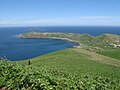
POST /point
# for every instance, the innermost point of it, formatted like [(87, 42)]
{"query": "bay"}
[(14, 48)]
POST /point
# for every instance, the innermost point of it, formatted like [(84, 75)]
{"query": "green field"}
[(70, 69), (111, 53)]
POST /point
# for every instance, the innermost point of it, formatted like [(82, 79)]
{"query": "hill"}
[(75, 69), (106, 40)]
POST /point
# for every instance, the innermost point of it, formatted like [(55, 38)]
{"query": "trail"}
[(99, 58)]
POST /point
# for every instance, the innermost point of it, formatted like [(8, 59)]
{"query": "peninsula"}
[(86, 40)]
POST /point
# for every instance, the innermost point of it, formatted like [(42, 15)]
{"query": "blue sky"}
[(59, 12)]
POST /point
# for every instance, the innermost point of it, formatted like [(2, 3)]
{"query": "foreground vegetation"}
[(70, 69)]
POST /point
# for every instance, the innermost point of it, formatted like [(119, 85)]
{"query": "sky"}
[(59, 13)]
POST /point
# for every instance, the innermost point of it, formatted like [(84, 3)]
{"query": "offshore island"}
[(92, 65)]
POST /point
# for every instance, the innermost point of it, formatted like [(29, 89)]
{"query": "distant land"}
[(103, 41)]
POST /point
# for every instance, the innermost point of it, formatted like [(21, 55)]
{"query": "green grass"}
[(111, 53), (61, 70), (74, 62)]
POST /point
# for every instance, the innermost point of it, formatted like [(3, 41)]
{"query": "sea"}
[(14, 48)]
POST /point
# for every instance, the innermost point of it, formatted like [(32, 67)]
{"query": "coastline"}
[(57, 38), (64, 39), (101, 41)]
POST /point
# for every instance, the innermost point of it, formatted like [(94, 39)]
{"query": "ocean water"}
[(14, 48)]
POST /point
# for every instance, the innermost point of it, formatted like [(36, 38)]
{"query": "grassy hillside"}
[(70, 69), (111, 53), (105, 40)]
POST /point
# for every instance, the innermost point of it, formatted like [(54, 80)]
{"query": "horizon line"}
[(66, 26)]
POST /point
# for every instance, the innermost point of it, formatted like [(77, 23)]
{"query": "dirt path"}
[(100, 58)]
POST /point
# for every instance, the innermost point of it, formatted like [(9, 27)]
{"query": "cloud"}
[(21, 21), (98, 17), (28, 21), (82, 21), (34, 22)]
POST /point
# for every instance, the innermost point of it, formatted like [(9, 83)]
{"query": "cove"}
[(23, 49), (14, 48)]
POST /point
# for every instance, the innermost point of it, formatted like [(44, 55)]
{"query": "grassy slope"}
[(70, 69), (80, 61), (100, 58), (111, 53), (104, 40)]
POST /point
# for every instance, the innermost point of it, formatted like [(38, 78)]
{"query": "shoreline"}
[(84, 39), (21, 36)]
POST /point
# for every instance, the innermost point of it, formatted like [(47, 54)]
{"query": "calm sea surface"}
[(14, 48)]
